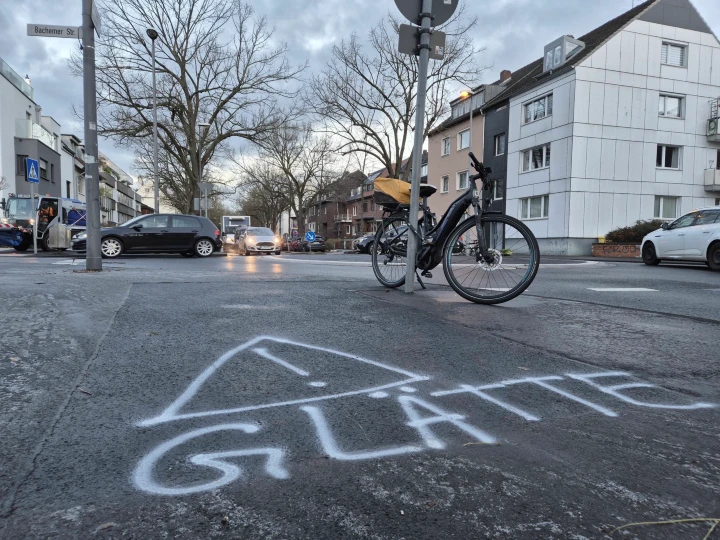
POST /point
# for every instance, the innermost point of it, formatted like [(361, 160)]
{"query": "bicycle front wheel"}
[(515, 262), (389, 253)]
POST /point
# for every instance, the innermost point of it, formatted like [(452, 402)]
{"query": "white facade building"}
[(622, 135), (72, 167)]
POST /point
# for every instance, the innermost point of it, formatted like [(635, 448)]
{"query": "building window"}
[(671, 106), (445, 184), (325, 210), (534, 207), (499, 191), (354, 230), (536, 158), (43, 169), (500, 144), (462, 180), (67, 189), (446, 146), (717, 202), (364, 207), (52, 173), (463, 139), (354, 211), (668, 157), (423, 170), (538, 109), (372, 206), (20, 165), (666, 207), (347, 229), (673, 55)]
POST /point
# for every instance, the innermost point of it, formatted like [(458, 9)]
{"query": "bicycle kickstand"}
[(420, 280)]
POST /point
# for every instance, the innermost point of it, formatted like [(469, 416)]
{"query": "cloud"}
[(513, 33)]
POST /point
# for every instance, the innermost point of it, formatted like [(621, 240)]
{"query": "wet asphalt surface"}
[(293, 397)]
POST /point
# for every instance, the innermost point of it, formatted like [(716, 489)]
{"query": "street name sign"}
[(49, 30), (32, 168)]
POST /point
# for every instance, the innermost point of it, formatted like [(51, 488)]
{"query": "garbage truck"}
[(58, 219), (231, 225)]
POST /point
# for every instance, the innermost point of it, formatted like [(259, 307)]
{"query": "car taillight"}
[(217, 232)]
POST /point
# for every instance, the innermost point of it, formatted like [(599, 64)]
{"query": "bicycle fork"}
[(483, 251)]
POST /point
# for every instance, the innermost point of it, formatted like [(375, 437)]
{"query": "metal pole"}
[(412, 247), (93, 260), (155, 135), (35, 220), (470, 163)]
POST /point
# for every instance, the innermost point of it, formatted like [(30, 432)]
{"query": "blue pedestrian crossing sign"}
[(310, 236), (32, 171)]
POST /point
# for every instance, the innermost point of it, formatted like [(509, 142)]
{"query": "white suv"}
[(693, 237)]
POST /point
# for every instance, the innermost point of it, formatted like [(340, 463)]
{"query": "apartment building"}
[(450, 143), (329, 215), (119, 202), (72, 167), (25, 132), (612, 127)]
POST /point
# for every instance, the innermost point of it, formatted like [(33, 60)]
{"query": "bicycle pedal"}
[(427, 274)]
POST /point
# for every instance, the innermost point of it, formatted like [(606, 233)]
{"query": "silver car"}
[(258, 240)]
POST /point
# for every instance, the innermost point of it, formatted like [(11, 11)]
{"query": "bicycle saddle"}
[(426, 190)]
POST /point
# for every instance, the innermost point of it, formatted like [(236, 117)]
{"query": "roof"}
[(525, 78), (593, 41)]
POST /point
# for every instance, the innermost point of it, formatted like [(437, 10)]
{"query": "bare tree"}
[(303, 162), (264, 196), (366, 97), (217, 63)]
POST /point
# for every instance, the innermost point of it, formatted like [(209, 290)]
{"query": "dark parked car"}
[(316, 245), (364, 243), (157, 233)]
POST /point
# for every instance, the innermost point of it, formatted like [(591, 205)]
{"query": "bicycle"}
[(488, 258)]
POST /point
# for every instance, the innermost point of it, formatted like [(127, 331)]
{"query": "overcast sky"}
[(513, 32)]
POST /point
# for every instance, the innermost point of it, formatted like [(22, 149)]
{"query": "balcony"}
[(107, 204), (27, 129), (712, 180), (342, 218), (11, 75)]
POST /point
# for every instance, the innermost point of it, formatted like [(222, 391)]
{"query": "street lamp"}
[(206, 125), (153, 35)]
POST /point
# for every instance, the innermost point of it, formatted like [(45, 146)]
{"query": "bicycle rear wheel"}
[(389, 256), (516, 258)]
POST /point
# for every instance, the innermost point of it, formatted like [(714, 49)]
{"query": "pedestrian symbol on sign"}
[(31, 171)]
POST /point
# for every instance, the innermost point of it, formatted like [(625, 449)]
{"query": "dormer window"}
[(560, 50)]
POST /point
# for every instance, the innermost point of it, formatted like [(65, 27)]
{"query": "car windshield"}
[(260, 231), (19, 209)]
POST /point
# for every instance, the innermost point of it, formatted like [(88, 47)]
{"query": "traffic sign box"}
[(32, 171)]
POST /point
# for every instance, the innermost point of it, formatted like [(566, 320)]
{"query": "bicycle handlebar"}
[(478, 165)]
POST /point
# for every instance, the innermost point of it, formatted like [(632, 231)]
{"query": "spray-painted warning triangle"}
[(290, 372)]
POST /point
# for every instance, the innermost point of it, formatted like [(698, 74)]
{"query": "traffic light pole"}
[(93, 261), (413, 247)]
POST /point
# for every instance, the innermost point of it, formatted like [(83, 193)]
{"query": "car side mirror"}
[(665, 226), (138, 226)]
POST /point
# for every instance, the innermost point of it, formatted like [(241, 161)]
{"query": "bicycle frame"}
[(432, 242)]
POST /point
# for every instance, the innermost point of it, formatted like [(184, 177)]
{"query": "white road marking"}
[(265, 354), (621, 289), (72, 262)]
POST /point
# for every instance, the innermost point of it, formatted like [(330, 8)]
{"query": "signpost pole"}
[(413, 247), (35, 217), (93, 261)]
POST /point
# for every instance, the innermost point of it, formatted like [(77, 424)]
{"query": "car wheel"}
[(714, 256), (111, 248), (277, 253), (204, 248), (22, 247), (649, 256), (44, 243)]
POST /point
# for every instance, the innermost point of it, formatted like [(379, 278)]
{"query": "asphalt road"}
[(292, 397)]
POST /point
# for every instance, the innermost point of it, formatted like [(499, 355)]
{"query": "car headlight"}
[(250, 240), (81, 236)]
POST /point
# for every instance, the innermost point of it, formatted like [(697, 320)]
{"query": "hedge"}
[(633, 234)]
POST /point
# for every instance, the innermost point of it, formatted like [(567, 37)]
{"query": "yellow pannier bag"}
[(397, 190)]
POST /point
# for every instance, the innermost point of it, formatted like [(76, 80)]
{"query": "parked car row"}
[(301, 244)]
